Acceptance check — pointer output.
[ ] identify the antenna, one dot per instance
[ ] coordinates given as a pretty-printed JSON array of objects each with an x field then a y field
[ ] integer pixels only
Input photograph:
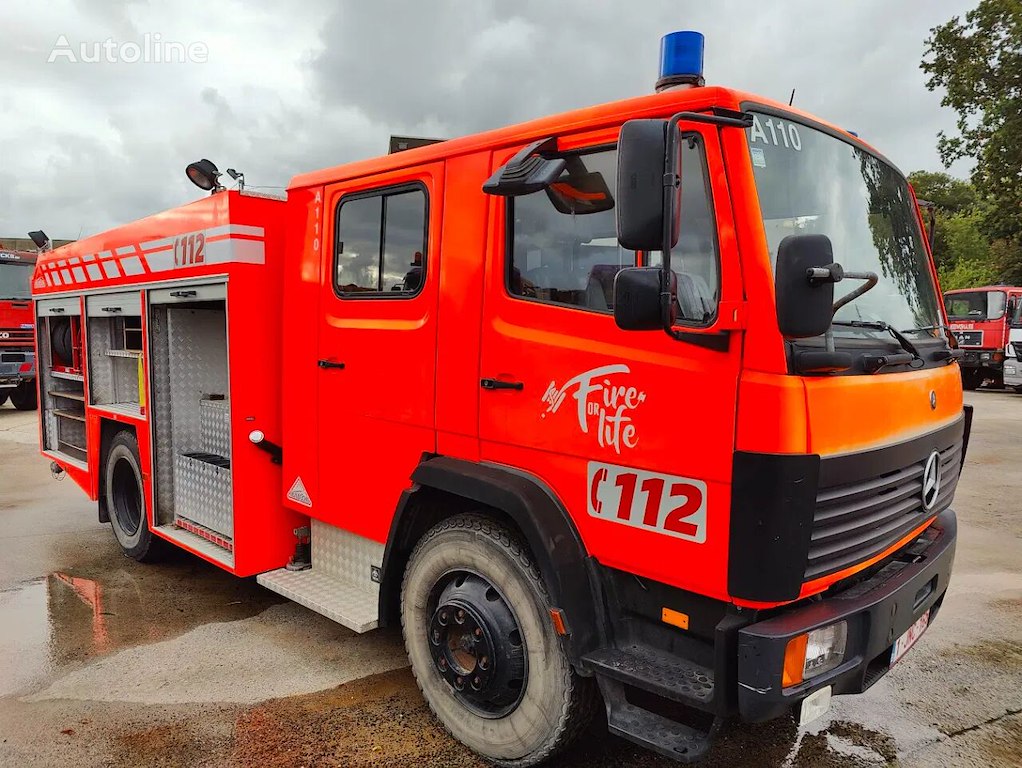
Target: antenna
[{"x": 792, "y": 99}]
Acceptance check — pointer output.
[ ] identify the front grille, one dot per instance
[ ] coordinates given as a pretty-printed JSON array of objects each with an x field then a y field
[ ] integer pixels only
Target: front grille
[
  {"x": 856, "y": 521},
  {"x": 15, "y": 338},
  {"x": 1017, "y": 346}
]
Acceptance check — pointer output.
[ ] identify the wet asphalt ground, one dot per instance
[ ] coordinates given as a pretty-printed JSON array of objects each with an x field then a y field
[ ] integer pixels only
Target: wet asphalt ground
[{"x": 107, "y": 662}]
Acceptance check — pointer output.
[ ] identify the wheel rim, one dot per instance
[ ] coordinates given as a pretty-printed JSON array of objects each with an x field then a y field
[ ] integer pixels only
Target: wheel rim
[
  {"x": 127, "y": 497},
  {"x": 476, "y": 644}
]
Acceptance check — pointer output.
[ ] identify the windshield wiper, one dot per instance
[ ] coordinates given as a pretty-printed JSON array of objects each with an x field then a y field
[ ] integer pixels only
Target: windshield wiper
[{"x": 878, "y": 362}]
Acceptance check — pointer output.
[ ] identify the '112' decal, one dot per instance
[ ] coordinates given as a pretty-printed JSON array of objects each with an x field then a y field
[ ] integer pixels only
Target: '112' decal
[{"x": 667, "y": 504}]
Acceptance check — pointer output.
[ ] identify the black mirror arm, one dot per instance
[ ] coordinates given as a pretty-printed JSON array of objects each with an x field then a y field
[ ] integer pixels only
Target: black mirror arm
[{"x": 871, "y": 280}]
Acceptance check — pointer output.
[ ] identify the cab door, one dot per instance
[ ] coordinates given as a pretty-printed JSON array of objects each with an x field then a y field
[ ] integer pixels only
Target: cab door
[
  {"x": 376, "y": 344},
  {"x": 632, "y": 431}
]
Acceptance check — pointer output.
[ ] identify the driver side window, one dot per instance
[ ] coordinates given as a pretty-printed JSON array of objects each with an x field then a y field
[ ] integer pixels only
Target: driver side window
[{"x": 563, "y": 241}]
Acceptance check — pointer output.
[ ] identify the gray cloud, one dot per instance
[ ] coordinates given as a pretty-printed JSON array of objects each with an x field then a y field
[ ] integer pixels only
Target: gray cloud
[{"x": 84, "y": 147}]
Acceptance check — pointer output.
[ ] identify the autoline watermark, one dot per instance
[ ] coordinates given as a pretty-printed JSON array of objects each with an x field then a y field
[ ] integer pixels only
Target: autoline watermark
[{"x": 151, "y": 49}]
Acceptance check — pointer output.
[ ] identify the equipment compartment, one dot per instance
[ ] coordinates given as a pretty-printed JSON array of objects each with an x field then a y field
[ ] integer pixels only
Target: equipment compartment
[{"x": 202, "y": 482}]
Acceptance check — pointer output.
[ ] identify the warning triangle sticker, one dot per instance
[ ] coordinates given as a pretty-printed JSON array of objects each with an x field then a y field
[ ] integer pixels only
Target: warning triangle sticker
[{"x": 298, "y": 494}]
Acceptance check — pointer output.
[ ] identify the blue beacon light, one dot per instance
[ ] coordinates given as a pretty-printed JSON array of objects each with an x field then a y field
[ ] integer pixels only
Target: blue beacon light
[{"x": 681, "y": 60}]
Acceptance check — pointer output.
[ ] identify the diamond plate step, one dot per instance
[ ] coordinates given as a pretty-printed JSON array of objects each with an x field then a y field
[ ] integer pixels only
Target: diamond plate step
[
  {"x": 657, "y": 672},
  {"x": 335, "y": 598},
  {"x": 655, "y": 732}
]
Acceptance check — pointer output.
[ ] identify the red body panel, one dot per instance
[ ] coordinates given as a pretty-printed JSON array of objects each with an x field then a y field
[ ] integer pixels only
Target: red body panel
[{"x": 995, "y": 331}]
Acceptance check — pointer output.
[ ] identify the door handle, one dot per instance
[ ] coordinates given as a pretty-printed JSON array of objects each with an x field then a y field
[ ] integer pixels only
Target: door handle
[
  {"x": 498, "y": 384},
  {"x": 329, "y": 364}
]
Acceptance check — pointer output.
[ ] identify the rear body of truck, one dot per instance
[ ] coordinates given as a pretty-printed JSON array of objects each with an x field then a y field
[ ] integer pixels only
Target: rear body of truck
[{"x": 393, "y": 358}]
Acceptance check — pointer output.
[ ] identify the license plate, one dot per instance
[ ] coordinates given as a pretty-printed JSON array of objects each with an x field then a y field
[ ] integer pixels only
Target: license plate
[
  {"x": 906, "y": 641},
  {"x": 969, "y": 338}
]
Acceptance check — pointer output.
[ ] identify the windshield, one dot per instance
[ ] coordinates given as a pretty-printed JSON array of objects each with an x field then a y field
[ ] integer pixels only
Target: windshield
[
  {"x": 975, "y": 305},
  {"x": 810, "y": 182},
  {"x": 15, "y": 281}
]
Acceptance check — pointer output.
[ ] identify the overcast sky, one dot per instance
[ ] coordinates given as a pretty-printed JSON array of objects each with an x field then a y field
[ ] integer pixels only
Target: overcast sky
[{"x": 275, "y": 88}]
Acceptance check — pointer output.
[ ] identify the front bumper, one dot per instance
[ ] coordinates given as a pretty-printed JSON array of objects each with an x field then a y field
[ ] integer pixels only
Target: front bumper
[
  {"x": 878, "y": 611},
  {"x": 16, "y": 367},
  {"x": 1013, "y": 372},
  {"x": 974, "y": 359}
]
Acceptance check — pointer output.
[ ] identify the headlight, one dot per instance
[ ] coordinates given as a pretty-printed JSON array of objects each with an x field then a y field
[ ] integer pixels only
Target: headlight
[
  {"x": 814, "y": 653},
  {"x": 984, "y": 356}
]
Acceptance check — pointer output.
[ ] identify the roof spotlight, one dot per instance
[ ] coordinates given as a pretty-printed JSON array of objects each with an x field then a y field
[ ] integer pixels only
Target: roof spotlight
[
  {"x": 238, "y": 176},
  {"x": 204, "y": 175},
  {"x": 42, "y": 242}
]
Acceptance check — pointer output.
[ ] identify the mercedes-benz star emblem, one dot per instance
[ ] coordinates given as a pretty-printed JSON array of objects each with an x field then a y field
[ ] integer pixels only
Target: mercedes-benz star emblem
[
  {"x": 933, "y": 400},
  {"x": 931, "y": 481}
]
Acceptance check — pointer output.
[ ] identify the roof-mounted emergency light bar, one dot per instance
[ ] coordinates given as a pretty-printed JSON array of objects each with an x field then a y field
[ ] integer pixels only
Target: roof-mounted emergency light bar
[{"x": 681, "y": 60}]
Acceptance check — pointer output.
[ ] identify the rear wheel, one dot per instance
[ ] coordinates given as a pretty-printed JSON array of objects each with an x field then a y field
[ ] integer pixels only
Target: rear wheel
[
  {"x": 23, "y": 397},
  {"x": 125, "y": 499},
  {"x": 1018, "y": 389},
  {"x": 972, "y": 378},
  {"x": 3, "y": 397},
  {"x": 475, "y": 615}
]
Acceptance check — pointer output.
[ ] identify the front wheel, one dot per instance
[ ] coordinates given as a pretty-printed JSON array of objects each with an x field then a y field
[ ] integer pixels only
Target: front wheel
[
  {"x": 23, "y": 397},
  {"x": 475, "y": 616},
  {"x": 124, "y": 496},
  {"x": 972, "y": 378}
]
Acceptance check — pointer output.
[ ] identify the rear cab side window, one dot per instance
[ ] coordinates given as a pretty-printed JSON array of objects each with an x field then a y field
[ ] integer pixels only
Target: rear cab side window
[{"x": 380, "y": 251}]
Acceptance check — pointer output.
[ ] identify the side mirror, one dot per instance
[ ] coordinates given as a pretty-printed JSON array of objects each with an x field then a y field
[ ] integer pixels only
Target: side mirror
[
  {"x": 637, "y": 305},
  {"x": 1009, "y": 310},
  {"x": 528, "y": 171},
  {"x": 641, "y": 160},
  {"x": 805, "y": 304}
]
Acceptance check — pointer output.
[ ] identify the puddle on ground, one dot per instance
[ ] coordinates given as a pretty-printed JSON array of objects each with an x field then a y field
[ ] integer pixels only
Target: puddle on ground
[{"x": 68, "y": 617}]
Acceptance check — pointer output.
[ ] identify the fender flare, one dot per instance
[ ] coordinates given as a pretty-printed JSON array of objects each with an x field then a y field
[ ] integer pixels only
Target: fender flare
[{"x": 544, "y": 522}]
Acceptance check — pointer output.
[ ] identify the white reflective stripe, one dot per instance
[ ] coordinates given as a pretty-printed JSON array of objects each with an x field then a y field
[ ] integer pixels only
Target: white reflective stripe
[
  {"x": 90, "y": 257},
  {"x": 242, "y": 251},
  {"x": 235, "y": 229},
  {"x": 93, "y": 270},
  {"x": 61, "y": 263},
  {"x": 167, "y": 242},
  {"x": 132, "y": 265},
  {"x": 110, "y": 267},
  {"x": 79, "y": 274},
  {"x": 46, "y": 277},
  {"x": 66, "y": 276},
  {"x": 73, "y": 260},
  {"x": 124, "y": 250},
  {"x": 160, "y": 261}
]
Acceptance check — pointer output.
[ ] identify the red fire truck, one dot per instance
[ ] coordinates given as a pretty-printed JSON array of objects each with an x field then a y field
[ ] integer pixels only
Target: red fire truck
[
  {"x": 980, "y": 320},
  {"x": 17, "y": 355},
  {"x": 601, "y": 404}
]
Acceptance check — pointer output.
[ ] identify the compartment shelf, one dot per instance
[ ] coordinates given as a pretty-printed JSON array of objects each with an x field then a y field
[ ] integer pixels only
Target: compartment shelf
[
  {"x": 66, "y": 375},
  {"x": 135, "y": 354},
  {"x": 69, "y": 415},
  {"x": 69, "y": 395}
]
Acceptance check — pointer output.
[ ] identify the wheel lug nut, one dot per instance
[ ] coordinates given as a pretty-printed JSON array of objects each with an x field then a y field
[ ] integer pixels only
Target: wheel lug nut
[
  {"x": 478, "y": 632},
  {"x": 460, "y": 617}
]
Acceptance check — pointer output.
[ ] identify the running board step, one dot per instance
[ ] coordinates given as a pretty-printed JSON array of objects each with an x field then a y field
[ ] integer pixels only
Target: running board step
[
  {"x": 655, "y": 732},
  {"x": 333, "y": 597},
  {"x": 657, "y": 672}
]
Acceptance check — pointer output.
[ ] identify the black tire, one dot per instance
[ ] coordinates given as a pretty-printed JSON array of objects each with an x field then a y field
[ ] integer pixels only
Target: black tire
[
  {"x": 971, "y": 378},
  {"x": 1018, "y": 390},
  {"x": 3, "y": 397},
  {"x": 24, "y": 396},
  {"x": 531, "y": 704},
  {"x": 125, "y": 499}
]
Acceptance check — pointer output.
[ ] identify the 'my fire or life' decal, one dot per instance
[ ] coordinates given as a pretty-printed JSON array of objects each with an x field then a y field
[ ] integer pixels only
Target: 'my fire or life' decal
[
  {"x": 603, "y": 401},
  {"x": 667, "y": 504}
]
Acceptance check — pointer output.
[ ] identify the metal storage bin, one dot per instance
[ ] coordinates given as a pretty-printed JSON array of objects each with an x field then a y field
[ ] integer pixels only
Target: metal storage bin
[
  {"x": 203, "y": 491},
  {"x": 215, "y": 426}
]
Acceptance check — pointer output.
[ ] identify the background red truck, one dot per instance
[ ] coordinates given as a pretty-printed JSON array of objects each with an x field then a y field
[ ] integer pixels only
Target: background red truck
[
  {"x": 979, "y": 319},
  {"x": 17, "y": 355}
]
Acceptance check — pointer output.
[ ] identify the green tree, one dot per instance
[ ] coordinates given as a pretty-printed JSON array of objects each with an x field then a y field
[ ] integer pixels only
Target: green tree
[
  {"x": 978, "y": 63},
  {"x": 949, "y": 194}
]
